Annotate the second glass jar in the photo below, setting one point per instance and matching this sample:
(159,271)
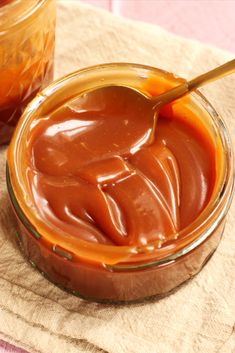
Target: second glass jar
(27,40)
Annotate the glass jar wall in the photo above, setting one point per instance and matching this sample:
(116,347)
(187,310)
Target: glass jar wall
(104,272)
(27,40)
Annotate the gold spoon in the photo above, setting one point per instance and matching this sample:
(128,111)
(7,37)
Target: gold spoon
(127,104)
(189,86)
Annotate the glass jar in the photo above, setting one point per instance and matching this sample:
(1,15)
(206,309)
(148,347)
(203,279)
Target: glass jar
(27,40)
(119,273)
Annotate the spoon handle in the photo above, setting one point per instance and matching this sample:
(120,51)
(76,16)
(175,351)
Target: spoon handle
(215,74)
(199,81)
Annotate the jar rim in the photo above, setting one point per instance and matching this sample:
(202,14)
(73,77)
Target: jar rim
(204,222)
(12,21)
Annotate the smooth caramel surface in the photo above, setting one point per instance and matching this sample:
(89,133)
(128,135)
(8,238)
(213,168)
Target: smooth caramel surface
(94,173)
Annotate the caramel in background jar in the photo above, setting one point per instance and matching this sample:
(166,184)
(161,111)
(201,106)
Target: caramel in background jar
(27,40)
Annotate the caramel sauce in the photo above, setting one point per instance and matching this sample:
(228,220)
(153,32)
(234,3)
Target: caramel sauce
(94,175)
(19,94)
(5,2)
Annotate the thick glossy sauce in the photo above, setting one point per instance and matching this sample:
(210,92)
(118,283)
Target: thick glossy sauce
(94,173)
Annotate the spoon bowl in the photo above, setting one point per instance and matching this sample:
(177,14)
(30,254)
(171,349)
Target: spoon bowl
(132,103)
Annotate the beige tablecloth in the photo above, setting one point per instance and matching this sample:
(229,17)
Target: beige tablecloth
(200,316)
